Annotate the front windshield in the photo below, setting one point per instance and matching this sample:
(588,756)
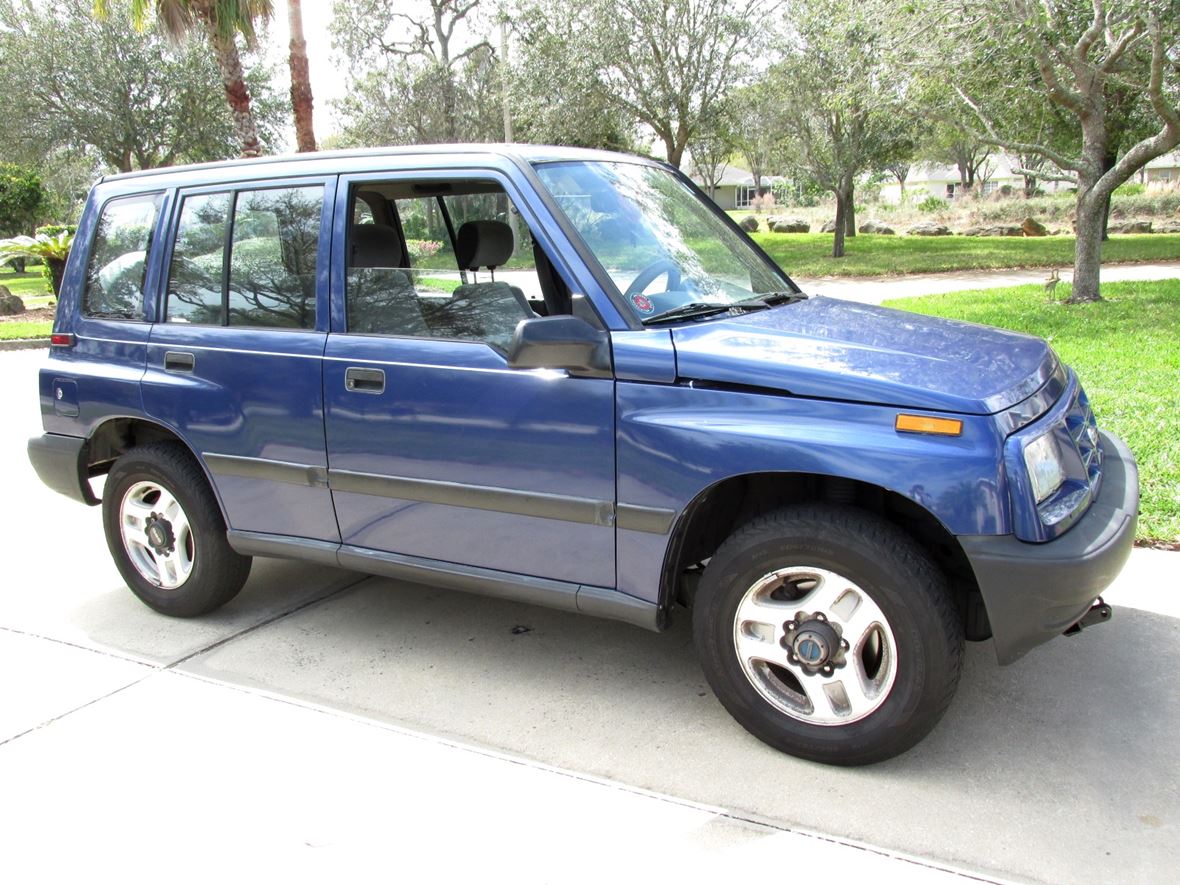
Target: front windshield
(661,245)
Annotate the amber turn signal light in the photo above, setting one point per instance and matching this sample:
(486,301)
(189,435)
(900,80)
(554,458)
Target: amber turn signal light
(926,424)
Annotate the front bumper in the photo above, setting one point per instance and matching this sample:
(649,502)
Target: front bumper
(60,461)
(1034,592)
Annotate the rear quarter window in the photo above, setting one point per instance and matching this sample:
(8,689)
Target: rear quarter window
(119,257)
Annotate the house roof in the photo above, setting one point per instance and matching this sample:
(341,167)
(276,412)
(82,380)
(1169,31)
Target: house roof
(734,176)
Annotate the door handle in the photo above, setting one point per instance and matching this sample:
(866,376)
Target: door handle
(360,380)
(179,361)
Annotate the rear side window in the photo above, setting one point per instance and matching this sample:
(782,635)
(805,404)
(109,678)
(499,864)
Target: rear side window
(118,258)
(247,258)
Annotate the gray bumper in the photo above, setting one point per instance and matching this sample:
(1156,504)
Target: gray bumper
(60,461)
(1034,592)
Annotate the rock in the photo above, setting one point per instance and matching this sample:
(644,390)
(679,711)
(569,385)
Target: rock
(790,226)
(1166,227)
(876,227)
(829,227)
(749,224)
(1129,227)
(10,304)
(994,230)
(1033,228)
(930,229)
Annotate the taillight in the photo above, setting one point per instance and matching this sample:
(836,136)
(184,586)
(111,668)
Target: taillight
(62,339)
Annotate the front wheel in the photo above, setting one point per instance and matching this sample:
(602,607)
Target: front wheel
(166,534)
(829,634)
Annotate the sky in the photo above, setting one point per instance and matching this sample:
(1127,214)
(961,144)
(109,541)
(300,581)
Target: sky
(328,79)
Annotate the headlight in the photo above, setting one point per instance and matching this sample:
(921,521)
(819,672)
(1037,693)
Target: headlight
(1042,457)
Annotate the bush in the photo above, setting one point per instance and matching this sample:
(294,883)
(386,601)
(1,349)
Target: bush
(933,204)
(1129,189)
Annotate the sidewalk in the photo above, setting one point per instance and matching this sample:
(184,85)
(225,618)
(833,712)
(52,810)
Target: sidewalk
(169,776)
(874,290)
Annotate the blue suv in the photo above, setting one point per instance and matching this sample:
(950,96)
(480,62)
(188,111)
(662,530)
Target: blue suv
(564,377)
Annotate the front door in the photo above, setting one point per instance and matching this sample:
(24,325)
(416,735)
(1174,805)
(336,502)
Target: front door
(436,449)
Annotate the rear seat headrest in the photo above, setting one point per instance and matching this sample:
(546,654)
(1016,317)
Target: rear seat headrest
(484,244)
(375,245)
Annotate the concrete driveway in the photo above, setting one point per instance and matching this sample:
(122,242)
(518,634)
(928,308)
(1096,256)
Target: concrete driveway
(329,724)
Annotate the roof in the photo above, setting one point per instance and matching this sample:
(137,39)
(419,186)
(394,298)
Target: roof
(733,176)
(313,163)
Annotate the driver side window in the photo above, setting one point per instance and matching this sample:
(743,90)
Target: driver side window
(458,262)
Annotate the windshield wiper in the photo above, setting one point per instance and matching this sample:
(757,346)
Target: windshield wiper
(773,299)
(690,310)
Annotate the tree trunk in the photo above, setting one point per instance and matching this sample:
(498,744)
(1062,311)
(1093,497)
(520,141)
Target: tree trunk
(850,210)
(1087,263)
(838,238)
(236,93)
(301,100)
(1108,162)
(57,270)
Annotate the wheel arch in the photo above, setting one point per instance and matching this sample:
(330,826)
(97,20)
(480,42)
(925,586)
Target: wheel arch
(116,435)
(719,509)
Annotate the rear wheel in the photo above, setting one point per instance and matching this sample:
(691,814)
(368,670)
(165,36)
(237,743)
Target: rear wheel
(829,634)
(166,534)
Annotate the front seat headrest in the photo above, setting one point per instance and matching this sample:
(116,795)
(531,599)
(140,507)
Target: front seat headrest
(375,245)
(484,244)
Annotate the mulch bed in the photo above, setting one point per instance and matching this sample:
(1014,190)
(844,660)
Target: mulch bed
(37,315)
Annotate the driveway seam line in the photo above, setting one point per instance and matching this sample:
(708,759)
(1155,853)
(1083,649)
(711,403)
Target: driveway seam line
(225,640)
(585,777)
(154,668)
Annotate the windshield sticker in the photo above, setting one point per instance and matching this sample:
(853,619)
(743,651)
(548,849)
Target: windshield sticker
(642,303)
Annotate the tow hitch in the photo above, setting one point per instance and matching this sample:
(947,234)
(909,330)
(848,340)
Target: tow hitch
(1099,613)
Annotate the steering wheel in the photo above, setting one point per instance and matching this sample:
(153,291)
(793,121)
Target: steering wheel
(657,268)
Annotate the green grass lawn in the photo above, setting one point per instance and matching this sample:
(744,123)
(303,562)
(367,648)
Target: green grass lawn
(1126,351)
(29,286)
(809,255)
(33,292)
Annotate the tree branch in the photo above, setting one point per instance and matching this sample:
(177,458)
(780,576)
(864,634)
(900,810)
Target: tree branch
(993,137)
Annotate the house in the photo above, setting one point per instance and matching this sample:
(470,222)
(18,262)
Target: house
(735,189)
(936,180)
(1161,172)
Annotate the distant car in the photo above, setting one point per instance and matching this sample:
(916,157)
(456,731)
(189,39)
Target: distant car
(564,377)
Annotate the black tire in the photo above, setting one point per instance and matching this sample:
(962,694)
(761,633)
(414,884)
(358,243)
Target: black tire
(885,567)
(217,572)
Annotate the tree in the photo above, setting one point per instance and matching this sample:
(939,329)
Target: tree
(1098,62)
(750,110)
(556,92)
(79,93)
(301,99)
(840,108)
(21,198)
(709,150)
(412,61)
(222,22)
(664,63)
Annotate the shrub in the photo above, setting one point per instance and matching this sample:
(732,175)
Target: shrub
(933,204)
(420,249)
(1129,189)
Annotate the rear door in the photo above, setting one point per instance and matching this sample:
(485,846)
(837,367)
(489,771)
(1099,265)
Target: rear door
(437,450)
(235,359)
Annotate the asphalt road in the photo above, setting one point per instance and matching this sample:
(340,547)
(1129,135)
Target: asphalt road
(1061,768)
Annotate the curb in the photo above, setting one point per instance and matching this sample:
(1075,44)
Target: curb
(24,344)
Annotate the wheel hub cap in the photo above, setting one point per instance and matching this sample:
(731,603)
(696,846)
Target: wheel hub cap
(159,534)
(814,644)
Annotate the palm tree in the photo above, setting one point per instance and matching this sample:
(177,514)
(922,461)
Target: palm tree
(222,21)
(301,102)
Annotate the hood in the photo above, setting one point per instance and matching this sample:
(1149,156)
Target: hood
(832,349)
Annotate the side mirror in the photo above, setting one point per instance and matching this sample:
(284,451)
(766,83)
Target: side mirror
(560,342)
